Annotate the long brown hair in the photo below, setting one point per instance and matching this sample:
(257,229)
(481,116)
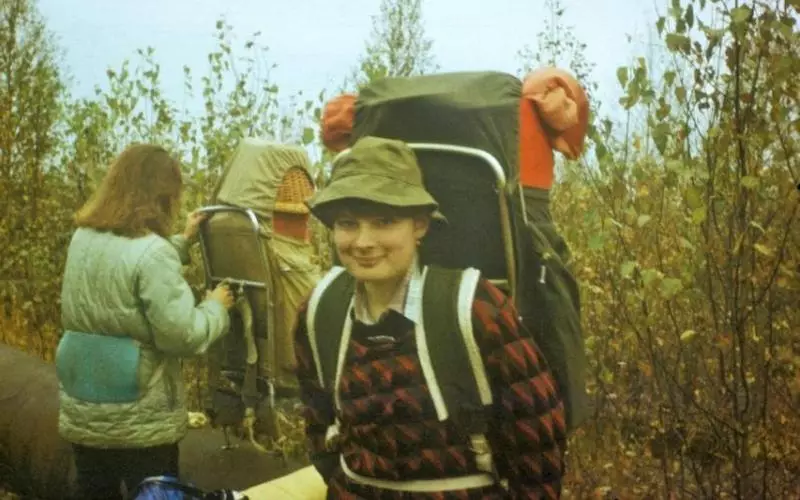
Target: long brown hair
(141,191)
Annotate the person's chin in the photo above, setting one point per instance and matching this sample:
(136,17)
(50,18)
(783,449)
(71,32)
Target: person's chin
(368,272)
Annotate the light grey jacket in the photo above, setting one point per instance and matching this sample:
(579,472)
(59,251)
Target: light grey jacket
(130,287)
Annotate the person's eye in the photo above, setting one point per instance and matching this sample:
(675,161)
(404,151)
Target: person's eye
(345,224)
(385,221)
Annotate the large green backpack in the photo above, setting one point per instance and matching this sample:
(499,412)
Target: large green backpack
(465,129)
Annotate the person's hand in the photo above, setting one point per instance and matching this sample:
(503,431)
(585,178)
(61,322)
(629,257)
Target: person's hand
(222,294)
(193,221)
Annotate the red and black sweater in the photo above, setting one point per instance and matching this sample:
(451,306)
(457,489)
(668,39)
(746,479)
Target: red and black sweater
(389,427)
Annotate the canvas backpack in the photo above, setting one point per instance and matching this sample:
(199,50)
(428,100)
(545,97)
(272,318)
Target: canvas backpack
(255,238)
(469,116)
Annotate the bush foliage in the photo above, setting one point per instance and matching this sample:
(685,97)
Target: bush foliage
(682,223)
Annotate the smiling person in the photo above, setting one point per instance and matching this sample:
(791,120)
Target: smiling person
(376,355)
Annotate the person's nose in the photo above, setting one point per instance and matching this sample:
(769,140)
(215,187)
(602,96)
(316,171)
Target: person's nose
(365,238)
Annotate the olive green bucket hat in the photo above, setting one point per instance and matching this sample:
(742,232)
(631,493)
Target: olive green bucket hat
(383,171)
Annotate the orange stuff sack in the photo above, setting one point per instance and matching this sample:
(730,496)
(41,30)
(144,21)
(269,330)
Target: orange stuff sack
(337,122)
(554,115)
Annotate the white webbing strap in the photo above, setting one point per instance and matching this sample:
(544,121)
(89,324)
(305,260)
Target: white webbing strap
(414,311)
(344,344)
(466,296)
(333,431)
(479,443)
(332,434)
(421,485)
(311,313)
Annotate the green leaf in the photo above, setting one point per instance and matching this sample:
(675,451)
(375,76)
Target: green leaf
(750,182)
(626,269)
(688,335)
(693,197)
(740,14)
(670,287)
(660,24)
(632,98)
(690,15)
(785,27)
(308,136)
(650,276)
(699,215)
(677,42)
(661,136)
(674,165)
(680,94)
(596,241)
(607,376)
(669,77)
(622,75)
(642,220)
(600,150)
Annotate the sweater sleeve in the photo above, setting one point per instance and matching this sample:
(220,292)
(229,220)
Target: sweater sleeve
(318,410)
(527,432)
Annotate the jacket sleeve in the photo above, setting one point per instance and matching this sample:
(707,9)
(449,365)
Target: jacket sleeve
(318,410)
(527,431)
(178,326)
(181,244)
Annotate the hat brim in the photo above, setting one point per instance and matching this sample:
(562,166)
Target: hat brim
(373,188)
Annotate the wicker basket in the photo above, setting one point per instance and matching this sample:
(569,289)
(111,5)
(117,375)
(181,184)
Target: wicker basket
(295,188)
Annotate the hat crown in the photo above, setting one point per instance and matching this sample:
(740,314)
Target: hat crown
(379,157)
(378,170)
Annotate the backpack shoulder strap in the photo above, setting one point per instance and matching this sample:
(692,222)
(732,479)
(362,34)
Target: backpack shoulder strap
(327,312)
(453,352)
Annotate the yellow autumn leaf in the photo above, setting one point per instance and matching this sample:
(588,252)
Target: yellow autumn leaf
(762,249)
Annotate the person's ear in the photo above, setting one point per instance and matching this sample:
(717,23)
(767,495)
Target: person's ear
(422,223)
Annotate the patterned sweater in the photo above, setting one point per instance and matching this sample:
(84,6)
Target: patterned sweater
(389,428)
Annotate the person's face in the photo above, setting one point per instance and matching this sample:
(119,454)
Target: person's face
(378,247)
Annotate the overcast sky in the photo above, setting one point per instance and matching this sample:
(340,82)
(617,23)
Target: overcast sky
(315,42)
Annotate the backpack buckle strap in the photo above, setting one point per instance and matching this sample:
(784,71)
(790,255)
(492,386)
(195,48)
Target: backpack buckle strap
(479,445)
(421,485)
(333,436)
(484,459)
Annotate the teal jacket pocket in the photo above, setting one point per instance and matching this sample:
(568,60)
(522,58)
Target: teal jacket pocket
(98,368)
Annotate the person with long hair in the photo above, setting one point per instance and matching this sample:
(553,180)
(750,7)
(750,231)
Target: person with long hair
(128,317)
(369,352)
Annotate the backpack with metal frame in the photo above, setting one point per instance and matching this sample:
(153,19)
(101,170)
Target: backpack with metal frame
(484,142)
(257,239)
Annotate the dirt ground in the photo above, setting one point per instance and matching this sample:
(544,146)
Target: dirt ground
(208,463)
(6,494)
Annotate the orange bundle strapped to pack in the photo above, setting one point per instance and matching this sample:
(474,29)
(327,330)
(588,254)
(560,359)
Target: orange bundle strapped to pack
(337,122)
(554,115)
